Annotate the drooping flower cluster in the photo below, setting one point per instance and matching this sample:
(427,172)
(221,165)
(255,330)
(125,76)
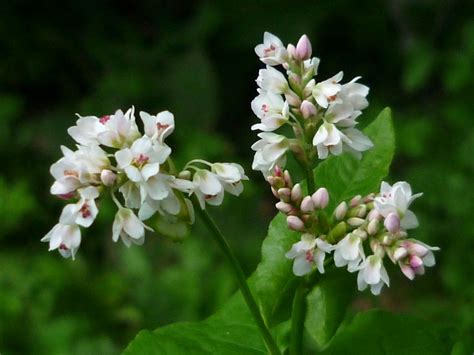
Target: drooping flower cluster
(359,234)
(113,156)
(323,115)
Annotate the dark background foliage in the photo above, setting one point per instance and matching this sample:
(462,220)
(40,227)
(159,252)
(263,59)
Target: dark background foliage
(196,59)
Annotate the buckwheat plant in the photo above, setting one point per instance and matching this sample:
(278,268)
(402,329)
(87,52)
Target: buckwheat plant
(342,219)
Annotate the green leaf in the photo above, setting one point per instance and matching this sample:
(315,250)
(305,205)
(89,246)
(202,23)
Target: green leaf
(327,305)
(381,332)
(275,281)
(346,176)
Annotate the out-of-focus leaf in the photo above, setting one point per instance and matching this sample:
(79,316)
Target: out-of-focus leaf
(380,332)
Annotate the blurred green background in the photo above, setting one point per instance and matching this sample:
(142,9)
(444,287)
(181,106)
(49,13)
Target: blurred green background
(196,59)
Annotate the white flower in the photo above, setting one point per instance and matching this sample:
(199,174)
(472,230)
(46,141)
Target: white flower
(329,139)
(159,126)
(120,129)
(128,227)
(326,91)
(158,195)
(272,110)
(77,168)
(208,188)
(64,237)
(412,256)
(272,51)
(349,251)
(397,199)
(272,80)
(84,211)
(373,273)
(142,160)
(270,151)
(87,130)
(311,64)
(231,176)
(355,94)
(309,251)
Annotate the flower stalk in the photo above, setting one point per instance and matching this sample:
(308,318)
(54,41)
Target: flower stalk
(240,277)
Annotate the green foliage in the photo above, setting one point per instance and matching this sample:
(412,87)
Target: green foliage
(379,332)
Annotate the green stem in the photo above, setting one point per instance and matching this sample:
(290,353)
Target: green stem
(310,180)
(297,319)
(240,276)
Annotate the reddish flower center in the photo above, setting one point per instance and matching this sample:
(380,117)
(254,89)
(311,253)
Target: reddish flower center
(265,108)
(85,211)
(141,160)
(63,247)
(309,256)
(104,119)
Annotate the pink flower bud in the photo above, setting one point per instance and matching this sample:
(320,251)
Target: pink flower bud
(284,193)
(292,99)
(321,198)
(415,261)
(307,205)
(295,223)
(341,211)
(277,170)
(303,48)
(355,201)
(287,177)
(373,227)
(392,222)
(307,109)
(400,253)
(274,192)
(296,194)
(284,207)
(417,249)
(373,214)
(108,177)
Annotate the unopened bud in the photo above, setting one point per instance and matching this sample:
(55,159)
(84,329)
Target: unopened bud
(320,198)
(284,207)
(277,170)
(291,50)
(185,175)
(307,205)
(355,201)
(307,91)
(275,193)
(284,194)
(303,48)
(340,211)
(108,177)
(355,221)
(368,198)
(295,223)
(392,222)
(337,232)
(296,194)
(291,97)
(362,211)
(271,180)
(360,233)
(307,109)
(417,249)
(400,253)
(374,214)
(287,178)
(373,227)
(415,261)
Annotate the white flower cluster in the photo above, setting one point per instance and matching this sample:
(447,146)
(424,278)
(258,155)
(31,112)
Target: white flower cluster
(377,224)
(113,155)
(323,114)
